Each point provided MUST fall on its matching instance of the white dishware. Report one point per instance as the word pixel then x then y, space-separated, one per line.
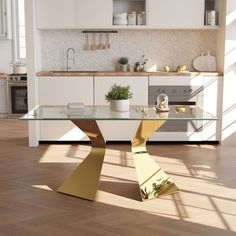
pixel 205 62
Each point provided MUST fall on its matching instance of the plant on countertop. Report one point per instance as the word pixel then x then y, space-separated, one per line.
pixel 118 92
pixel 123 61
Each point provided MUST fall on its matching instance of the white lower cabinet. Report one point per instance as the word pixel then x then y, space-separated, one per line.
pixel 212 103
pixel 92 90
pixel 120 130
pixel 3 96
pixel 61 91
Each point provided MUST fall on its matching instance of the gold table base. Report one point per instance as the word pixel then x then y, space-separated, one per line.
pixel 153 181
pixel 83 182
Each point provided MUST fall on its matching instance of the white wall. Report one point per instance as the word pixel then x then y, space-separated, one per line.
pixel 171 47
pixel 5 56
pixel 33 65
pixel 229 87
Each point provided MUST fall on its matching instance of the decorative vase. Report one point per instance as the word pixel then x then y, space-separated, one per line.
pixel 123 67
pixel 119 105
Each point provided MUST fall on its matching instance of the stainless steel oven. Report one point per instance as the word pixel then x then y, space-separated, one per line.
pixel 17 95
pixel 179 95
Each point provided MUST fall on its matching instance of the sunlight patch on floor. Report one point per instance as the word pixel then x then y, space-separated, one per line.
pixel 43 187
pixel 65 154
pixel 189 207
pixel 203 146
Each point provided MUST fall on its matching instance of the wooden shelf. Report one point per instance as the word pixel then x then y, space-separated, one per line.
pixel 130 26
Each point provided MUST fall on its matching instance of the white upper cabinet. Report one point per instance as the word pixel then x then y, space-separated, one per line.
pixel 5 19
pixel 62 14
pixel 2 18
pixel 175 13
pixel 55 14
pixel 93 14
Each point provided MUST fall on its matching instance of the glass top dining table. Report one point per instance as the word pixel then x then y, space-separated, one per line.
pixel 153 181
pixel 104 113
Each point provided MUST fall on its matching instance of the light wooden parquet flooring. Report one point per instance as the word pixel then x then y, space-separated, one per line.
pixel 29 204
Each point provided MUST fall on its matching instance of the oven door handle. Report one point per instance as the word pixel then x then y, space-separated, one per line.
pixel 17 83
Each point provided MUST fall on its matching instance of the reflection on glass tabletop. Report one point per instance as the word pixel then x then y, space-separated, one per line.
pixel 104 113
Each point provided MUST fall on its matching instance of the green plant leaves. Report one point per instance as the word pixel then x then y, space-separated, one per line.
pixel 118 92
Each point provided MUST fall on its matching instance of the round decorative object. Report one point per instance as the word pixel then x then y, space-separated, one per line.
pixel 162 103
pixel 119 105
pixel 205 63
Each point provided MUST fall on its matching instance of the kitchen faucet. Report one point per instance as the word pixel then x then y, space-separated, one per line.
pixel 70 58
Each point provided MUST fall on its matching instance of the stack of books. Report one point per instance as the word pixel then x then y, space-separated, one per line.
pixel 75 108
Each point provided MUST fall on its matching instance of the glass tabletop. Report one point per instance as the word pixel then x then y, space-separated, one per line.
pixel 104 113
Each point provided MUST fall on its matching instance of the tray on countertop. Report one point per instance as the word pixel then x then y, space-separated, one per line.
pixel 206 63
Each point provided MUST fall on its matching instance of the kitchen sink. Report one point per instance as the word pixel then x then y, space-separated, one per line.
pixel 79 71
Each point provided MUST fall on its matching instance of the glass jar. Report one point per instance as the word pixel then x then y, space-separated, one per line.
pixel 162 102
pixel 132 18
pixel 141 18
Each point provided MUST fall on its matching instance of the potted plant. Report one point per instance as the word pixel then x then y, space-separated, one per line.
pixel 123 61
pixel 118 96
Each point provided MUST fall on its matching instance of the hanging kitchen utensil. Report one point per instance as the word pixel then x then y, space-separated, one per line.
pixel 107 41
pixel 86 42
pixel 94 46
pixel 104 44
pixel 100 45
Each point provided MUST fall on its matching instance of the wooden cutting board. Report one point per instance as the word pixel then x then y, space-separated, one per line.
pixel 205 63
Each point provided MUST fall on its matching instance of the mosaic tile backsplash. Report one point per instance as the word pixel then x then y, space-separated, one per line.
pixel 161 47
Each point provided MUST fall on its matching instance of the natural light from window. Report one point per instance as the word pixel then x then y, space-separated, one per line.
pixel 21 30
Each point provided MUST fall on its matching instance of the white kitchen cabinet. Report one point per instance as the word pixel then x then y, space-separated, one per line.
pixel 5 19
pixel 93 14
pixel 61 91
pixel 55 14
pixel 120 130
pixel 3 96
pixel 212 104
pixel 62 14
pixel 175 14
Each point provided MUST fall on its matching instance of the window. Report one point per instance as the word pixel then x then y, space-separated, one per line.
pixel 20 30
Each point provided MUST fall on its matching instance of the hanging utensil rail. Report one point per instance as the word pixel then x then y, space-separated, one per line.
pixel 100 31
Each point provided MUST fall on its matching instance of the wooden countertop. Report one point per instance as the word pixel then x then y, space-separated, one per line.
pixel 121 73
pixel 3 75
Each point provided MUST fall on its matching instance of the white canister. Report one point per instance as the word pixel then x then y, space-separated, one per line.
pixel 141 18
pixel 132 18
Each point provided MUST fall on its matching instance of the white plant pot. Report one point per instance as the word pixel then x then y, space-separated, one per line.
pixel 123 67
pixel 119 105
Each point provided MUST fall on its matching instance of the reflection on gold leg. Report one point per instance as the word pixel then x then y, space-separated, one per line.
pixel 83 182
pixel 152 179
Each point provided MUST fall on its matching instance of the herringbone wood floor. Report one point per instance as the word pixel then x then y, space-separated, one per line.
pixel 29 204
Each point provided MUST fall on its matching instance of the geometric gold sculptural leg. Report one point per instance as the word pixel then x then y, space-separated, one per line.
pixel 83 182
pixel 153 181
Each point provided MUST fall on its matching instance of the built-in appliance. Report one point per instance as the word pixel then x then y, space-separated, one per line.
pixel 179 95
pixel 17 95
